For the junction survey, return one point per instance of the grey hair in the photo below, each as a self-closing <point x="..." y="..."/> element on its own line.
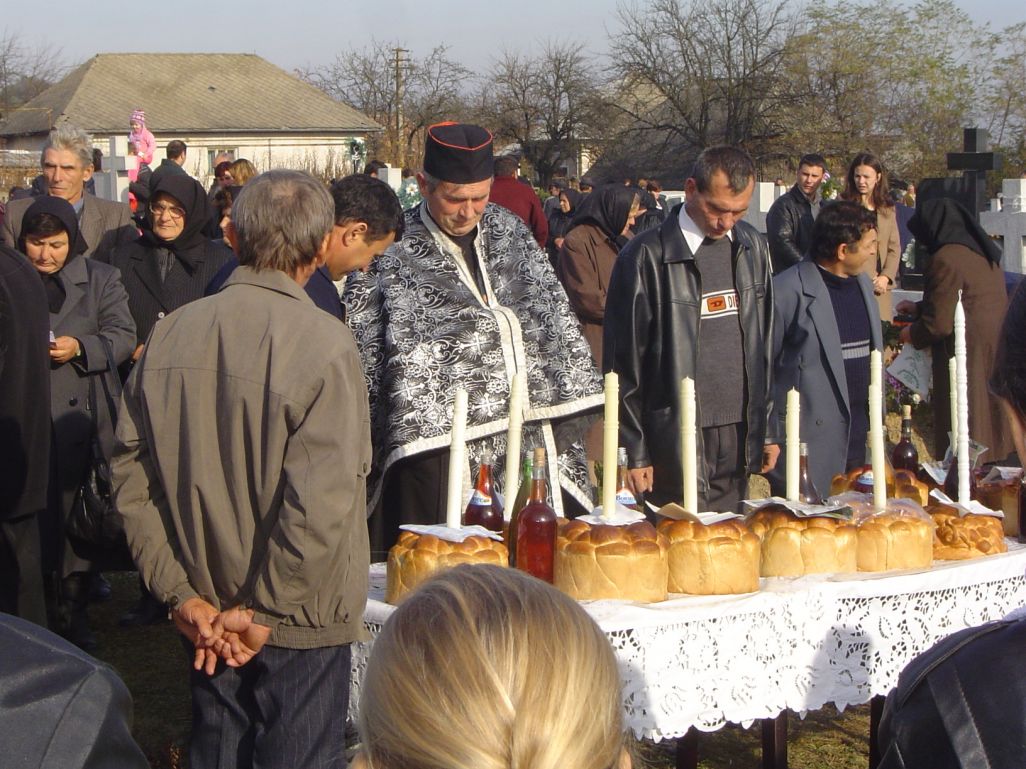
<point x="735" y="163"/>
<point x="70" y="138"/>
<point x="281" y="218"/>
<point x="429" y="181"/>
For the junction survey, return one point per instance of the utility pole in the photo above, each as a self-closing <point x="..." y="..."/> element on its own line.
<point x="400" y="63"/>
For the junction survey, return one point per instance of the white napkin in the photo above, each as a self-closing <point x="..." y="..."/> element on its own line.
<point x="622" y="516"/>
<point x="452" y="535"/>
<point x="973" y="507"/>
<point x="801" y="509"/>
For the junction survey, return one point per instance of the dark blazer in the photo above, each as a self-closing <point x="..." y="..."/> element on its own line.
<point x="24" y="388"/>
<point x="95" y="308"/>
<point x="150" y="299"/>
<point x="653" y="310"/>
<point x="807" y="355"/>
<point x="61" y="709"/>
<point x="104" y="224"/>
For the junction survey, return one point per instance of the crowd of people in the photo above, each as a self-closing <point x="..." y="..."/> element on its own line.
<point x="289" y="353"/>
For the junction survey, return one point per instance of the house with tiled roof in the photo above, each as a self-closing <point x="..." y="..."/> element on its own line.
<point x="214" y="102"/>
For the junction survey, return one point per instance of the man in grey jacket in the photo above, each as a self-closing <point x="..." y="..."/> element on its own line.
<point x="823" y="331"/>
<point x="240" y="472"/>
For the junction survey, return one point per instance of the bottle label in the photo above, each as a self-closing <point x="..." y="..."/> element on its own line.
<point x="480" y="499"/>
<point x="626" y="498"/>
<point x="866" y="479"/>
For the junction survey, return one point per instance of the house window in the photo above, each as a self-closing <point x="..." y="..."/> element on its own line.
<point x="213" y="153"/>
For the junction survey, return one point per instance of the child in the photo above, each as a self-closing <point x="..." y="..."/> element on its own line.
<point x="141" y="137"/>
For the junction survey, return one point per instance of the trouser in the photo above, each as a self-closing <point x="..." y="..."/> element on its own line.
<point x="285" y="708"/>
<point x="725" y="467"/>
<point x="21" y="576"/>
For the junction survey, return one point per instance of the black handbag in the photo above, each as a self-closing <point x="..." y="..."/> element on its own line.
<point x="93" y="527"/>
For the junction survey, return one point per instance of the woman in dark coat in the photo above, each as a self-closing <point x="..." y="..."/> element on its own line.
<point x="599" y="230"/>
<point x="962" y="258"/>
<point x="89" y="317"/>
<point x="560" y="222"/>
<point x="172" y="261"/>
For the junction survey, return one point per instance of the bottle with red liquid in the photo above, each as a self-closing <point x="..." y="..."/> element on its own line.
<point x="536" y="526"/>
<point x="806" y="488"/>
<point x="951" y="480"/>
<point x="484" y="508"/>
<point x="905" y="456"/>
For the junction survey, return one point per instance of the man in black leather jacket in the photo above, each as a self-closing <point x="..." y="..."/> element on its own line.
<point x="693" y="298"/>
<point x="790" y="218"/>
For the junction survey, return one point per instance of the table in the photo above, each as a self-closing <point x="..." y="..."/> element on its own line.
<point x="798" y="644"/>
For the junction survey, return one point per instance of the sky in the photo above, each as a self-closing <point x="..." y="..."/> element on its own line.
<point x="309" y="33"/>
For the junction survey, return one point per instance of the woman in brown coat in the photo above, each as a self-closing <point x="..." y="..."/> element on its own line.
<point x="599" y="230"/>
<point x="867" y="185"/>
<point x="962" y="258"/>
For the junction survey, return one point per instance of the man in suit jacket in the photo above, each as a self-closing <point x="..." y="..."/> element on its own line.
<point x="67" y="162"/>
<point x="62" y="709"/>
<point x="825" y="324"/>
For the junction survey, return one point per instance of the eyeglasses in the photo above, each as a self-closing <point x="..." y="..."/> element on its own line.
<point x="176" y="212"/>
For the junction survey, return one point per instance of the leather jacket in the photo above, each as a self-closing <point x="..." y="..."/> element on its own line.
<point x="650" y="335"/>
<point x="789" y="229"/>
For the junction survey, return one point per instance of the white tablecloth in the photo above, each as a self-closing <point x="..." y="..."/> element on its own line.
<point x="797" y="644"/>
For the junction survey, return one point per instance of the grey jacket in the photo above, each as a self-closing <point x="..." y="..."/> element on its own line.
<point x="805" y="336"/>
<point x="103" y="224"/>
<point x="241" y="459"/>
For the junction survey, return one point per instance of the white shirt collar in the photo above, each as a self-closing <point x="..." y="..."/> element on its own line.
<point x="692" y="235"/>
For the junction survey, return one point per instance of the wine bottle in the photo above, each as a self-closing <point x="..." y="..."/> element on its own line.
<point x="536" y="526"/>
<point x="484" y="508"/>
<point x="521" y="501"/>
<point x="806" y="488"/>
<point x="624" y="495"/>
<point x="905" y="456"/>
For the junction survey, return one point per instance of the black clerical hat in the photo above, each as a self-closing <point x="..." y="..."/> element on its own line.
<point x="459" y="153"/>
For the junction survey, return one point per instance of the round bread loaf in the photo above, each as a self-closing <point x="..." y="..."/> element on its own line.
<point x="901" y="484"/>
<point x="625" y="562"/>
<point x="793" y="546"/>
<point x="415" y="557"/>
<point x="894" y="541"/>
<point x="959" y="537"/>
<point x="718" y="559"/>
<point x="1003" y="495"/>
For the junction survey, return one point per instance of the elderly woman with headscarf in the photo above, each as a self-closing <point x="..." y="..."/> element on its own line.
<point x="962" y="258"/>
<point x="560" y="219"/>
<point x="91" y="324"/>
<point x="172" y="261"/>
<point x="168" y="266"/>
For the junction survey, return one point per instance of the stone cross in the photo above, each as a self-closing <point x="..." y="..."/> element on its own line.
<point x="1010" y="224"/>
<point x="974" y="161"/>
<point x="112" y="182"/>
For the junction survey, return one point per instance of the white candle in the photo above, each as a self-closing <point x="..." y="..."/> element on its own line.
<point x="793" y="439"/>
<point x="953" y="388"/>
<point x="876" y="431"/>
<point x="961" y="366"/>
<point x="513" y="436"/>
<point x="689" y="444"/>
<point x="610" y="441"/>
<point x="457" y="459"/>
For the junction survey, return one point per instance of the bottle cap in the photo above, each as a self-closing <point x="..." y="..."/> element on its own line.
<point x="803" y="448"/>
<point x="906" y="411"/>
<point x="539" y="455"/>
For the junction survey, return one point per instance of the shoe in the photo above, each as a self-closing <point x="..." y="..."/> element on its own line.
<point x="148" y="611"/>
<point x="74" y="622"/>
<point x="99" y="589"/>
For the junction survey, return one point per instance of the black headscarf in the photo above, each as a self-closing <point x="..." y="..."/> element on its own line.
<point x="191" y="196"/>
<point x="943" y="221"/>
<point x="62" y="210"/>
<point x="608" y="207"/>
<point x="573" y="197"/>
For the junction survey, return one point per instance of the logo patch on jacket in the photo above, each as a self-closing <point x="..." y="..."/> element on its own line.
<point x="718" y="304"/>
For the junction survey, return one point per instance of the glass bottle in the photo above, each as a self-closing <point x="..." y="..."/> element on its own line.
<point x="522" y="494"/>
<point x="536" y="527"/>
<point x="951" y="480"/>
<point x="624" y="495"/>
<point x="484" y="508"/>
<point x="905" y="456"/>
<point x="806" y="488"/>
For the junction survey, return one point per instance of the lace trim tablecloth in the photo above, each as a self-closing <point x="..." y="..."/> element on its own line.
<point x="797" y="644"/>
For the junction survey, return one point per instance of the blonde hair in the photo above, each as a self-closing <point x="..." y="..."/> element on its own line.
<point x="488" y="668"/>
<point x="242" y="171"/>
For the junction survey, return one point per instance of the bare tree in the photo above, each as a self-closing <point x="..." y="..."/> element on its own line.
<point x="704" y="72"/>
<point x="403" y="93"/>
<point x="26" y="70"/>
<point x="1005" y="98"/>
<point x="546" y="103"/>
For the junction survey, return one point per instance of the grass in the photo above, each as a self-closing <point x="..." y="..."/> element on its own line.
<point x="155" y="667"/>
